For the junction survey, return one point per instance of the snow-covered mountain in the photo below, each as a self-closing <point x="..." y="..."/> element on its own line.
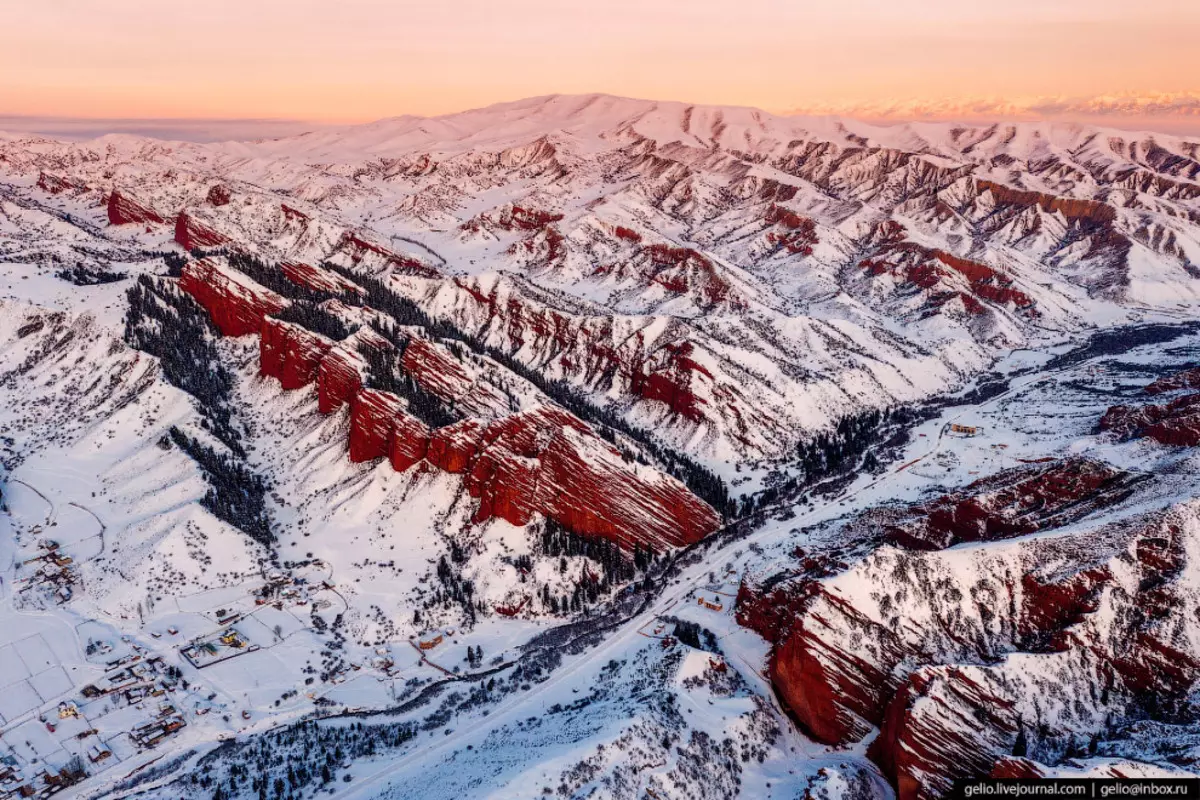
<point x="551" y="381"/>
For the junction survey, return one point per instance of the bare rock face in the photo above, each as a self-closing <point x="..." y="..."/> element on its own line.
<point x="1189" y="379"/>
<point x="321" y="280"/>
<point x="1175" y="423"/>
<point x="944" y="277"/>
<point x="1012" y="503"/>
<point x="190" y="233"/>
<point x="238" y="306"/>
<point x="372" y="420"/>
<point x="123" y="210"/>
<point x="670" y="380"/>
<point x="339" y="379"/>
<point x="410" y="442"/>
<point x="797" y="233"/>
<point x="290" y="353"/>
<point x="356" y="250"/>
<point x="545" y="461"/>
<point x="218" y="195"/>
<point x="53" y="184"/>
<point x="962" y="657"/>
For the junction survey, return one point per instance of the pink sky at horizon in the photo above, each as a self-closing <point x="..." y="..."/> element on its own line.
<point x="359" y="60"/>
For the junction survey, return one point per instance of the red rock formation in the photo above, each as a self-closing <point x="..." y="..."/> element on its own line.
<point x="800" y="232"/>
<point x="525" y="219"/>
<point x="409" y="443"/>
<point x="294" y="214"/>
<point x="1012" y="503"/>
<point x="1173" y="383"/>
<point x="373" y="417"/>
<point x="1175" y="423"/>
<point x="218" y="195"/>
<point x="435" y="370"/>
<point x="190" y="233"/>
<point x="237" y="305"/>
<point x="942" y="273"/>
<point x="1070" y="208"/>
<point x="356" y="248"/>
<point x="454" y="448"/>
<point x="682" y="268"/>
<point x="339" y="379"/>
<point x="290" y="353"/>
<point x="56" y="185"/>
<point x="122" y="210"/>
<point x="627" y="234"/>
<point x="543" y="461"/>
<point x="671" y="381"/>
<point x="321" y="280"/>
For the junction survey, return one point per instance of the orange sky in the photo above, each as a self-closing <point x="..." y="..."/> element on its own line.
<point x="356" y="60"/>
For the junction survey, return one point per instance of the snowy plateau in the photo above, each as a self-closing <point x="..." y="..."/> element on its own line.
<point x="593" y="447"/>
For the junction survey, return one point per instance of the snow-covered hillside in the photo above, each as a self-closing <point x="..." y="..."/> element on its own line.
<point x="601" y="446"/>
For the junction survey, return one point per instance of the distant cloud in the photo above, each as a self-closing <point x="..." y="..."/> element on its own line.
<point x="1178" y="112"/>
<point x="187" y="130"/>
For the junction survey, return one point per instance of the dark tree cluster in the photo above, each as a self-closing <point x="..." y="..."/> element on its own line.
<point x="315" y="318"/>
<point x="289" y="763"/>
<point x="614" y="567"/>
<point x="89" y="276"/>
<point x="455" y="589"/>
<point x="235" y="494"/>
<point x="272" y="277"/>
<point x="170" y="325"/>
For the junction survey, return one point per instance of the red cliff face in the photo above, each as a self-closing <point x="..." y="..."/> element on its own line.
<point x="372" y="419"/>
<point x="356" y="248"/>
<point x="122" y="210"/>
<point x="410" y="442"/>
<point x="190" y="233"/>
<point x="946" y="276"/>
<point x="218" y="195"/>
<point x="545" y="461"/>
<point x="290" y="353"/>
<point x="339" y="379"/>
<point x="237" y="305"/>
<point x="1183" y="380"/>
<point x="670" y="381"/>
<point x="321" y="280"/>
<point x="1070" y="208"/>
<point x="946" y="651"/>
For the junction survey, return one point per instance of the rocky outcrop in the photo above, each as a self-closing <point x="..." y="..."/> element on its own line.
<point x="1012" y="503"/>
<point x="290" y="353"/>
<point x="1176" y="422"/>
<point x="356" y="250"/>
<point x="372" y="422"/>
<point x="218" y="195"/>
<point x="317" y="279"/>
<point x="56" y="185"/>
<point x="944" y="277"/>
<point x="962" y="657"/>
<point x="799" y="233"/>
<point x="670" y="380"/>
<point x="190" y="233"/>
<point x="339" y="379"/>
<point x="237" y="305"/>
<point x="545" y="461"/>
<point x="124" y="210"/>
<point x="1071" y="208"/>
<point x="1189" y="379"/>
<point x="682" y="269"/>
